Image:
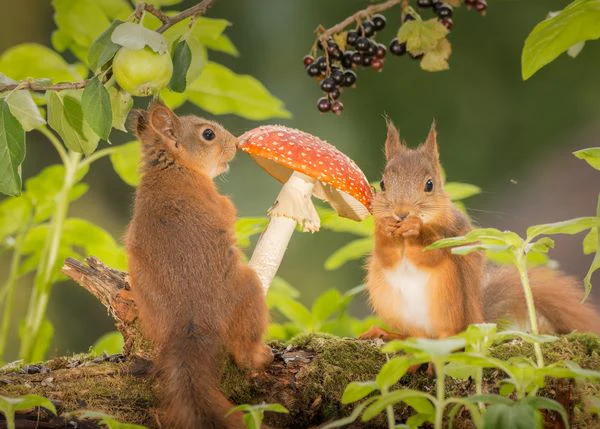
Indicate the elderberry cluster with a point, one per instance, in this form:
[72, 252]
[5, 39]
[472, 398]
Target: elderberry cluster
[335, 69]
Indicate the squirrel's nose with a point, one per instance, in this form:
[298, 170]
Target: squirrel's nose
[401, 216]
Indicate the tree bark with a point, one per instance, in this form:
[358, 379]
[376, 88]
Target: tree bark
[308, 375]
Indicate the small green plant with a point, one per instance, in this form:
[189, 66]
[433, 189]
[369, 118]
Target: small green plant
[254, 414]
[510, 247]
[106, 420]
[8, 406]
[110, 343]
[328, 314]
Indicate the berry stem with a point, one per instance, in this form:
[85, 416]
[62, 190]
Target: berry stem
[356, 17]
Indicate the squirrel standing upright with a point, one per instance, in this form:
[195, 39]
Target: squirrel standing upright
[435, 293]
[196, 299]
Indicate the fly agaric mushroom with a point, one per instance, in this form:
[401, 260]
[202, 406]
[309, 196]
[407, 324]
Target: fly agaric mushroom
[307, 166]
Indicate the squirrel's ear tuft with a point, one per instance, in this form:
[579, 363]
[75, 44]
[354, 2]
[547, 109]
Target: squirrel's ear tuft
[163, 121]
[430, 145]
[137, 122]
[393, 145]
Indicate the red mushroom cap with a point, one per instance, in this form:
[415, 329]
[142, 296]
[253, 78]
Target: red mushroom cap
[281, 150]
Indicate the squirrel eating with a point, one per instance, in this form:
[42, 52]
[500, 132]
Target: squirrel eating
[434, 293]
[196, 299]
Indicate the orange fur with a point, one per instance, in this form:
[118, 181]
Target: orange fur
[457, 290]
[196, 299]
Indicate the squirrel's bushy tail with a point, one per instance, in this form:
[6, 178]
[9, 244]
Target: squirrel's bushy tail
[557, 299]
[188, 372]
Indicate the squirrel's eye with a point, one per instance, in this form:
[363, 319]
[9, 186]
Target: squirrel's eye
[208, 134]
[382, 185]
[429, 185]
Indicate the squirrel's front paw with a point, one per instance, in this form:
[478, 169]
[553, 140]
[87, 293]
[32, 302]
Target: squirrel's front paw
[410, 227]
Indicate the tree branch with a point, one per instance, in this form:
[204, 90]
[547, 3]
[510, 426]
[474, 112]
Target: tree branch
[361, 14]
[167, 22]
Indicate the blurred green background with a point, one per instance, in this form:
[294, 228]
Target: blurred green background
[512, 138]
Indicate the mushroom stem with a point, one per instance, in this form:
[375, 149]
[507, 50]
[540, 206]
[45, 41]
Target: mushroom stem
[293, 205]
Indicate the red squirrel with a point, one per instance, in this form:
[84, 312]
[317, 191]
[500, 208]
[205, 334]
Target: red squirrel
[196, 299]
[434, 293]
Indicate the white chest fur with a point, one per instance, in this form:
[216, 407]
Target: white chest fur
[411, 284]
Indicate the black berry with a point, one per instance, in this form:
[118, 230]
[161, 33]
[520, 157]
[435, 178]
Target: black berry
[409, 17]
[357, 58]
[381, 50]
[424, 4]
[443, 10]
[308, 60]
[378, 22]
[334, 52]
[349, 78]
[366, 61]
[347, 59]
[322, 64]
[352, 37]
[338, 76]
[372, 50]
[362, 44]
[324, 105]
[313, 70]
[397, 48]
[337, 107]
[328, 84]
[335, 94]
[368, 28]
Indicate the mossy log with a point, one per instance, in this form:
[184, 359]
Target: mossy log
[307, 376]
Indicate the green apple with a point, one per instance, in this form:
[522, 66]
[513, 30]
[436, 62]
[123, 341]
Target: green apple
[142, 72]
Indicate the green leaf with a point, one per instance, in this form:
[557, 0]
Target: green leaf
[392, 398]
[576, 23]
[182, 58]
[422, 36]
[82, 20]
[126, 161]
[246, 227]
[115, 8]
[222, 44]
[332, 221]
[105, 419]
[356, 249]
[525, 336]
[351, 418]
[220, 91]
[437, 58]
[326, 305]
[95, 103]
[590, 242]
[14, 215]
[587, 280]
[65, 116]
[543, 245]
[110, 343]
[293, 311]
[392, 371]
[30, 60]
[22, 106]
[103, 49]
[571, 226]
[539, 402]
[504, 416]
[357, 390]
[121, 103]
[433, 348]
[136, 36]
[12, 151]
[460, 371]
[591, 155]
[79, 233]
[9, 405]
[460, 191]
